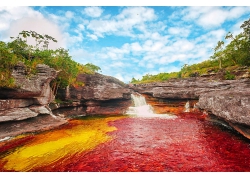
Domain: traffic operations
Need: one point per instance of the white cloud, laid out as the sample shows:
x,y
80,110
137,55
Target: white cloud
x,y
182,32
117,64
236,12
10,14
93,37
71,41
80,54
137,14
182,45
16,19
215,16
123,24
38,25
157,46
136,47
93,11
69,14
81,27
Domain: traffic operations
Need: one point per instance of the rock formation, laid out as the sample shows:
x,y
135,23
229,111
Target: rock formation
x,y
28,100
233,106
31,97
228,100
100,95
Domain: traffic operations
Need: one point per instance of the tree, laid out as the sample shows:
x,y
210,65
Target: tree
x,y
246,27
218,53
92,67
31,55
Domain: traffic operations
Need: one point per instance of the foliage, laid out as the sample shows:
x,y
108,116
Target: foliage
x,y
153,78
235,54
229,76
92,67
59,59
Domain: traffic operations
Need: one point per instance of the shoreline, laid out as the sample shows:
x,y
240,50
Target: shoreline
x,y
32,125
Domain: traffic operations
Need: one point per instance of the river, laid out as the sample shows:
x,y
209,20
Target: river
x,y
129,143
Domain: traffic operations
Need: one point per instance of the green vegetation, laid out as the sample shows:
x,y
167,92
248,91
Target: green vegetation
x,y
19,51
225,59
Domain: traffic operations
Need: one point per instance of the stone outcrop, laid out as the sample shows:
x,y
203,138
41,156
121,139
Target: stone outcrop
x,y
232,106
228,100
31,96
35,124
100,95
190,88
25,108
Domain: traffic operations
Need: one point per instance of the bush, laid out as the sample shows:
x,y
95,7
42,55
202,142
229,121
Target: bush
x,y
229,76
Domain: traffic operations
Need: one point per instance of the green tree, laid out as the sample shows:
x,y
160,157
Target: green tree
x,y
92,67
19,50
218,52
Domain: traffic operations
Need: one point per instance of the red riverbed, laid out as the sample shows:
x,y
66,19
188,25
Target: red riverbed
x,y
164,145
184,144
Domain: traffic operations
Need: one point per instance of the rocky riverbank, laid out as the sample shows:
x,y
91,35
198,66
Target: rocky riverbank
x,y
227,100
100,95
32,107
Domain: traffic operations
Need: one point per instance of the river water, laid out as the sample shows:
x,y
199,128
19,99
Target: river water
x,y
130,143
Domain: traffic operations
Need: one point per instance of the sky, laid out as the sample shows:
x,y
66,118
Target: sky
x,y
128,40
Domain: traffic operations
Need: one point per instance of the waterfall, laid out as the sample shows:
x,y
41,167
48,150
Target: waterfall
x,y
142,109
187,107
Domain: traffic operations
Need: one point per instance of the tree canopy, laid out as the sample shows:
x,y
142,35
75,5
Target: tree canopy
x,y
19,50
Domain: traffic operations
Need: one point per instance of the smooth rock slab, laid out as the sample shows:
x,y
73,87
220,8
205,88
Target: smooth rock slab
x,y
231,105
36,124
16,114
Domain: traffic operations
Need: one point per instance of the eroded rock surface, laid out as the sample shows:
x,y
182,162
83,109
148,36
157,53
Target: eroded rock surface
x,y
36,124
226,99
232,105
32,95
190,88
100,95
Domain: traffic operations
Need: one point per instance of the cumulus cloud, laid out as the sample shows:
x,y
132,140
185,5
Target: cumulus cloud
x,y
93,37
69,14
93,11
124,23
17,19
214,16
183,32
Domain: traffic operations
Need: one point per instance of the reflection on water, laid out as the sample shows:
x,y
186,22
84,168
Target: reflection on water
x,y
128,144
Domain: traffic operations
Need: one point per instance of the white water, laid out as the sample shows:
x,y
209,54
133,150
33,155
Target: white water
x,y
4,139
187,107
142,109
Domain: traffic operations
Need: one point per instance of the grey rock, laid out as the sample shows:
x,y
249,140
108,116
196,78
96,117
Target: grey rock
x,y
16,114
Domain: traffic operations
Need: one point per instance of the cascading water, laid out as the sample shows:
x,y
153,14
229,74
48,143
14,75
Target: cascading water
x,y
187,107
142,109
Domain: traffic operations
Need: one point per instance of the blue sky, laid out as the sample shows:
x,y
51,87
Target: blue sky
x,y
128,41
